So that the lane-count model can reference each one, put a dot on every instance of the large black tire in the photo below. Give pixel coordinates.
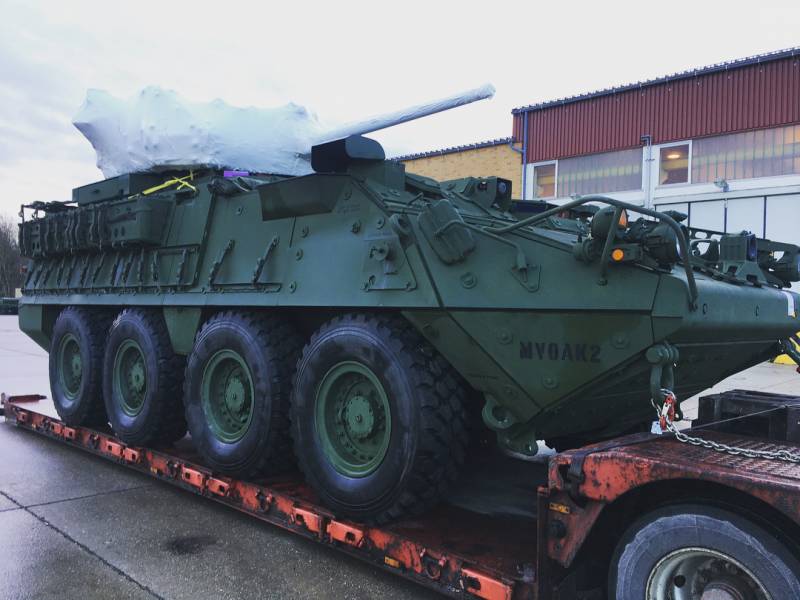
(426, 442)
(76, 366)
(650, 547)
(268, 348)
(142, 380)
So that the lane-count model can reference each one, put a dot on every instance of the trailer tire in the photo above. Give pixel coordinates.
(378, 418)
(694, 545)
(76, 366)
(142, 380)
(237, 390)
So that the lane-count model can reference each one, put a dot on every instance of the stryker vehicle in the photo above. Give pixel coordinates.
(356, 319)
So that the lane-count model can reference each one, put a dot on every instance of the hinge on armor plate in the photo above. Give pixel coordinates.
(30, 275)
(84, 271)
(47, 270)
(113, 278)
(212, 273)
(69, 230)
(36, 274)
(100, 223)
(385, 265)
(140, 270)
(126, 271)
(181, 266)
(263, 260)
(527, 276)
(60, 271)
(68, 277)
(98, 268)
(154, 268)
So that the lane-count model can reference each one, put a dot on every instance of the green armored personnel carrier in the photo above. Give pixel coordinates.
(355, 320)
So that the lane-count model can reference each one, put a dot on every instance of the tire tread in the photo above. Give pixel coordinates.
(283, 345)
(96, 324)
(444, 420)
(169, 419)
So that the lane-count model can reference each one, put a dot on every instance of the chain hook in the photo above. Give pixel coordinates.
(666, 416)
(666, 420)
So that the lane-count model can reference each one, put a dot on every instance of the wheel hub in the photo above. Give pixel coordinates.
(727, 590)
(359, 418)
(722, 580)
(70, 366)
(129, 377)
(703, 574)
(137, 376)
(235, 394)
(227, 395)
(77, 365)
(353, 419)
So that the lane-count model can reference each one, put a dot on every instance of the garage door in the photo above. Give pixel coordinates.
(708, 215)
(783, 221)
(746, 214)
(783, 218)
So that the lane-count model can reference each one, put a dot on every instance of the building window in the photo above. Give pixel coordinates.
(544, 180)
(600, 173)
(762, 153)
(674, 164)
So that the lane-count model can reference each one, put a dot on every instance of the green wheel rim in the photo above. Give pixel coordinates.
(353, 420)
(227, 395)
(70, 366)
(129, 378)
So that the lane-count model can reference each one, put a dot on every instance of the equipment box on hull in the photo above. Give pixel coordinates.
(136, 221)
(116, 187)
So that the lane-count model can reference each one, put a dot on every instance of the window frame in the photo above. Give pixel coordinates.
(641, 162)
(657, 166)
(533, 178)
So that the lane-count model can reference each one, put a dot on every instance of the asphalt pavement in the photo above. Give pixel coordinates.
(76, 526)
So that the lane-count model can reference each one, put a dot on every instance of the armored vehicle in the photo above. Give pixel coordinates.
(356, 319)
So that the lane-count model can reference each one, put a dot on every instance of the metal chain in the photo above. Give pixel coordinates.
(784, 455)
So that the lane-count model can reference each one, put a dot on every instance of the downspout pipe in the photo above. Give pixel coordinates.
(523, 151)
(647, 175)
(524, 155)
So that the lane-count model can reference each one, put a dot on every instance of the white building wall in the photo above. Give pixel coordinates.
(766, 206)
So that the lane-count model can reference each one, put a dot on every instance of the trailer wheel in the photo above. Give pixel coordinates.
(76, 365)
(690, 551)
(378, 419)
(142, 379)
(236, 393)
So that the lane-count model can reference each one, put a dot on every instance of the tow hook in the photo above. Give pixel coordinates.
(668, 410)
(663, 357)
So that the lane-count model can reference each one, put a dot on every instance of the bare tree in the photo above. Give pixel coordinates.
(10, 259)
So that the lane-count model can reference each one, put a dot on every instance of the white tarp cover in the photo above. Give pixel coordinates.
(158, 129)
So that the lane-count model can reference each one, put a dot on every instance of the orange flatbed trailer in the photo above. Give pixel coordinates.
(586, 498)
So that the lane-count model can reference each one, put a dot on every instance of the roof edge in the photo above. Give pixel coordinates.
(454, 149)
(715, 68)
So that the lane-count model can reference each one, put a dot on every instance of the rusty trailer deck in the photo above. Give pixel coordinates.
(452, 550)
(471, 553)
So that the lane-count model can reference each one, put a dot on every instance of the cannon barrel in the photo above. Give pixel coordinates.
(408, 114)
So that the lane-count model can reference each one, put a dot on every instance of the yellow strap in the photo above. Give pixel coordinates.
(784, 359)
(181, 182)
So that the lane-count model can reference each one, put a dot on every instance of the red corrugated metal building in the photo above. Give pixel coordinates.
(721, 143)
(755, 93)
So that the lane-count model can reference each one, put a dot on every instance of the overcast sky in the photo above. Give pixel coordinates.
(344, 60)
